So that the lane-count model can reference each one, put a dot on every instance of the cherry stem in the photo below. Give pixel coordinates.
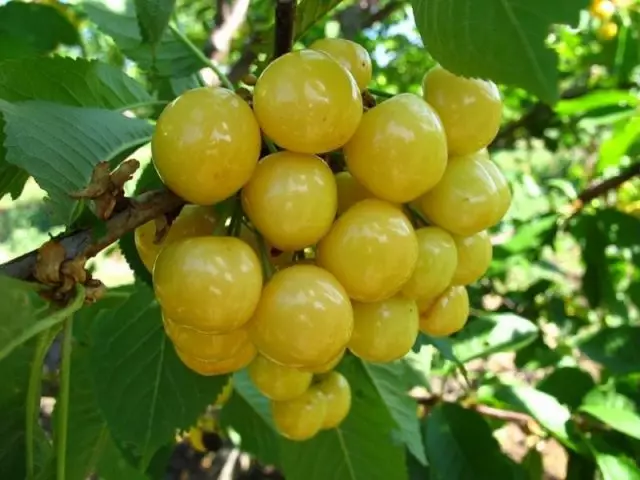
(284, 27)
(417, 216)
(270, 145)
(267, 268)
(201, 56)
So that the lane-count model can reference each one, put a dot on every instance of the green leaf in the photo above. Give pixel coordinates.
(531, 234)
(60, 145)
(387, 378)
(492, 333)
(625, 421)
(341, 453)
(249, 414)
(41, 27)
(460, 445)
(73, 82)
(615, 348)
(462, 36)
(612, 463)
(545, 409)
(584, 104)
(15, 370)
(143, 389)
(89, 440)
(24, 314)
(614, 148)
(153, 18)
(169, 58)
(532, 463)
(309, 12)
(569, 385)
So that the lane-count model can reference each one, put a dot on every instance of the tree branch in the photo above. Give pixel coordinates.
(88, 243)
(285, 23)
(605, 186)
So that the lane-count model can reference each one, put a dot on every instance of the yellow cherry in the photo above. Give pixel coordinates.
(474, 257)
(207, 367)
(351, 55)
(350, 191)
(276, 381)
(448, 314)
(300, 418)
(337, 392)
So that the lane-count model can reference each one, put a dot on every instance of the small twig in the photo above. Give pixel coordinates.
(602, 188)
(285, 24)
(85, 243)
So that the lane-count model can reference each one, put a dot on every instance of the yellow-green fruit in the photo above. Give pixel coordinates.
(291, 199)
(350, 191)
(193, 221)
(384, 331)
(278, 382)
(337, 392)
(469, 198)
(351, 55)
(399, 150)
(302, 417)
(470, 109)
(206, 144)
(328, 366)
(448, 314)
(306, 102)
(219, 367)
(474, 257)
(437, 261)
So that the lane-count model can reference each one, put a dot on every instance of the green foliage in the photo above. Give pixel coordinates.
(554, 325)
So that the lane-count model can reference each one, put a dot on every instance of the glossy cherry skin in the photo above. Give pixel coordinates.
(467, 200)
(291, 199)
(371, 249)
(219, 367)
(384, 331)
(306, 102)
(193, 221)
(448, 314)
(276, 381)
(212, 284)
(474, 257)
(205, 345)
(304, 317)
(300, 418)
(437, 261)
(399, 150)
(351, 55)
(350, 191)
(337, 392)
(470, 109)
(504, 191)
(206, 145)
(328, 366)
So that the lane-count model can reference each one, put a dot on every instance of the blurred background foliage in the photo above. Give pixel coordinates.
(567, 255)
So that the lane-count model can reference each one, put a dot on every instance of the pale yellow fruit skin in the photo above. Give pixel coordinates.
(351, 55)
(337, 392)
(219, 367)
(448, 314)
(278, 382)
(467, 200)
(193, 221)
(437, 262)
(350, 191)
(214, 347)
(470, 109)
(206, 145)
(306, 102)
(384, 331)
(302, 417)
(371, 249)
(504, 191)
(474, 257)
(328, 366)
(399, 150)
(291, 199)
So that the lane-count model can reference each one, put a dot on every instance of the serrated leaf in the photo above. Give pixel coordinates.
(15, 370)
(248, 413)
(615, 348)
(168, 58)
(462, 36)
(39, 26)
(545, 409)
(612, 463)
(341, 453)
(624, 421)
(387, 378)
(60, 145)
(460, 445)
(144, 390)
(153, 18)
(73, 82)
(311, 11)
(493, 333)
